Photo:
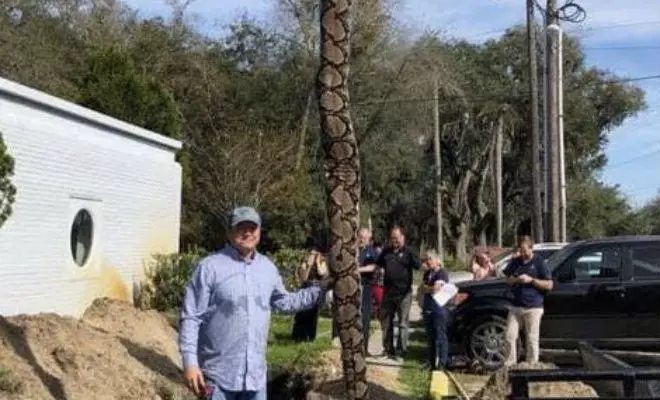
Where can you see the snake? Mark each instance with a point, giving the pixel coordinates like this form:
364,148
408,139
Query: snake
342,170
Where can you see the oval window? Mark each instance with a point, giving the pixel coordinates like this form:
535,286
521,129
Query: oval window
82,234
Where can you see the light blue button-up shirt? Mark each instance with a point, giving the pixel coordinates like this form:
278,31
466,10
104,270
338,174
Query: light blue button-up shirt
225,317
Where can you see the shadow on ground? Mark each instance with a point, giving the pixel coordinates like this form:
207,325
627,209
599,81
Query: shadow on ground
15,337
153,360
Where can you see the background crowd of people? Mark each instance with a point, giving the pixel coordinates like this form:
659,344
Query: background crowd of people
387,277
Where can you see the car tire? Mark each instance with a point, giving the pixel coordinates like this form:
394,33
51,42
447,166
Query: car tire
485,342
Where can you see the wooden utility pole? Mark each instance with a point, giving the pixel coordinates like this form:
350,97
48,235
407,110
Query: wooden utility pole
552,146
535,139
499,141
438,164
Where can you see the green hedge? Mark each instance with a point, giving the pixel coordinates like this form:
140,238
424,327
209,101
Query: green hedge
168,274
166,278
287,261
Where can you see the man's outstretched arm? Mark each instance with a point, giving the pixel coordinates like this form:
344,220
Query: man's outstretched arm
291,302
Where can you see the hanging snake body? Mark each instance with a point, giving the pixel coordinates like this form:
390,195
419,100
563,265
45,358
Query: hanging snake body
342,166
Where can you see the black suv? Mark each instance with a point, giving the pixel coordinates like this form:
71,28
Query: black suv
607,292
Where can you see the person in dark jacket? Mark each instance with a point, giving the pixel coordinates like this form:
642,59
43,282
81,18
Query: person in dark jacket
436,317
530,280
398,262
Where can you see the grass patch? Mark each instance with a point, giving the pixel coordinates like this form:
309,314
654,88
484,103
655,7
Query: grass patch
415,380
9,382
284,352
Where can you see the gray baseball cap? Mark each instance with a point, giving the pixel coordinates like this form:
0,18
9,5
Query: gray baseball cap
245,214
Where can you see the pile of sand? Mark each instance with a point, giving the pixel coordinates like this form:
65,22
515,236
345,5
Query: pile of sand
114,352
498,387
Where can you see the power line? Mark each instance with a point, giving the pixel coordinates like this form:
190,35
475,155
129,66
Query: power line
490,97
605,48
568,12
622,25
576,30
634,159
638,79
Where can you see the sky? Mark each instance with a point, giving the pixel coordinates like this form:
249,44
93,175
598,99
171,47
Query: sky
621,36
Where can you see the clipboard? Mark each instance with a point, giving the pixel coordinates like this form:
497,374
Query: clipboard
445,294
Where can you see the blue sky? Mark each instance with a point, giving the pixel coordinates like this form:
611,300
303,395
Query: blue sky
622,36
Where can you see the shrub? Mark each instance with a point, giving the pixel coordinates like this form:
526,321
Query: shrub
7,189
287,261
166,278
451,263
167,275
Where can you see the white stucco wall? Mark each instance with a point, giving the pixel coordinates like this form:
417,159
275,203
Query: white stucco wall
67,158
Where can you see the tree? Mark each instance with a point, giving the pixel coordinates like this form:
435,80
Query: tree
597,210
112,84
7,189
648,217
343,179
219,93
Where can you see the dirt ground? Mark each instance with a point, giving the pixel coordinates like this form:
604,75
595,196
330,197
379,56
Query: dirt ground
498,388
114,352
383,381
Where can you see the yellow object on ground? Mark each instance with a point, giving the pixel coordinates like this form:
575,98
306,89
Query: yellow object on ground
444,386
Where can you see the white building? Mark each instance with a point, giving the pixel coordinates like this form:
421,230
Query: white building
96,197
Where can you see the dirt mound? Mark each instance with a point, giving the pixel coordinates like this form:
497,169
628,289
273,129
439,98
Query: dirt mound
114,352
149,329
498,387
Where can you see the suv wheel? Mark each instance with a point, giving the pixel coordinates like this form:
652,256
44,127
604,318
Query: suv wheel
486,341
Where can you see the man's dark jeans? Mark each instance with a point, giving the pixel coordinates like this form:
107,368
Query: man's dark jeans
436,322
395,304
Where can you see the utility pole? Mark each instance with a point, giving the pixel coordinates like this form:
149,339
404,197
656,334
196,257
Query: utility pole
537,213
438,164
552,146
546,168
557,31
499,139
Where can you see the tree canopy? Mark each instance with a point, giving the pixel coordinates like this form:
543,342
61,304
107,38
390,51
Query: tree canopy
242,103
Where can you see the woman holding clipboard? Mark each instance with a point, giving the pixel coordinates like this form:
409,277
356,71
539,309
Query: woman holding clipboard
436,316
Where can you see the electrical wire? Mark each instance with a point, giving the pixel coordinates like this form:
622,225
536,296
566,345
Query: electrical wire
617,48
633,159
568,12
490,97
574,31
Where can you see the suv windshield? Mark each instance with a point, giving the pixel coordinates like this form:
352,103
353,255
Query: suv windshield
558,257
